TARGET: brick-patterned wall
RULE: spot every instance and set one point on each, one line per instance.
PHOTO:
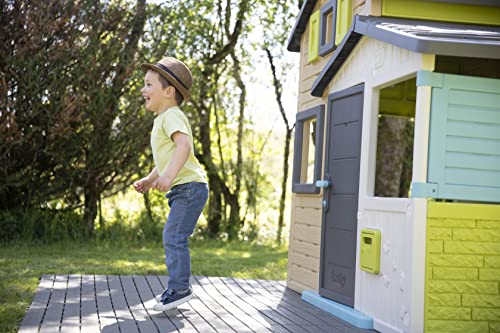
(462, 288)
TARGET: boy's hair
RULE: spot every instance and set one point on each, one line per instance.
(164, 84)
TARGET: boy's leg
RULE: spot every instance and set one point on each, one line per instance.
(186, 203)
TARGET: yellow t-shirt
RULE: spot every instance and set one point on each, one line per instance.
(165, 124)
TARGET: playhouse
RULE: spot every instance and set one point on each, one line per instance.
(395, 220)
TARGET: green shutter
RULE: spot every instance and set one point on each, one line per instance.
(464, 138)
(313, 37)
(344, 19)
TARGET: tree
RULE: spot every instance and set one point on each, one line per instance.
(279, 15)
(209, 47)
(72, 127)
(286, 152)
(70, 131)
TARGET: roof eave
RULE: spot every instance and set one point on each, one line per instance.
(367, 26)
(293, 44)
(338, 58)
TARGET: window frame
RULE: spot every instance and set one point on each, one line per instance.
(318, 113)
(329, 7)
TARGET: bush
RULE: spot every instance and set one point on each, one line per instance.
(11, 227)
(40, 224)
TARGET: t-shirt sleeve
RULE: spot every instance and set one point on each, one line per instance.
(173, 122)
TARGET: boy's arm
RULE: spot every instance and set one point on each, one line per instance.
(179, 158)
(153, 175)
(143, 185)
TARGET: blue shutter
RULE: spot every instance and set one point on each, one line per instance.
(464, 142)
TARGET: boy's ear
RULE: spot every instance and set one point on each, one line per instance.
(169, 92)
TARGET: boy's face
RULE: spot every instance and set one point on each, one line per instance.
(153, 92)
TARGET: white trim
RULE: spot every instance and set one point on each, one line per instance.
(421, 138)
(380, 326)
(386, 204)
(418, 265)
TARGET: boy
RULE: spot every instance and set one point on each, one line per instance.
(166, 85)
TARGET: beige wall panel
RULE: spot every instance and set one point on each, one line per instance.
(291, 247)
(309, 216)
(367, 7)
(306, 85)
(297, 286)
(304, 238)
(305, 261)
(309, 249)
(308, 201)
(307, 233)
(305, 277)
(313, 69)
(308, 105)
(307, 101)
(358, 6)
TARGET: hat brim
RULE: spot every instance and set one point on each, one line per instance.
(173, 81)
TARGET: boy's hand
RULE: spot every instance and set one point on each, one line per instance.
(142, 185)
(162, 184)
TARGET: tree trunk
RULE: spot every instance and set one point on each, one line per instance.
(91, 196)
(241, 120)
(218, 187)
(234, 223)
(214, 208)
(407, 172)
(278, 91)
(147, 204)
(391, 147)
(284, 186)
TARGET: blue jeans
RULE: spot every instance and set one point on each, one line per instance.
(186, 203)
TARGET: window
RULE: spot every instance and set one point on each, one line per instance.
(394, 164)
(308, 150)
(313, 36)
(327, 28)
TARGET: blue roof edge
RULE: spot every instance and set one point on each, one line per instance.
(339, 56)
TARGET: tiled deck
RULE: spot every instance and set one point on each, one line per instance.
(111, 303)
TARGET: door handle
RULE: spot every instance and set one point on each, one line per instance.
(324, 183)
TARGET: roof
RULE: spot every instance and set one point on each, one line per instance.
(418, 36)
(300, 26)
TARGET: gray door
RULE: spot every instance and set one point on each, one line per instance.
(338, 230)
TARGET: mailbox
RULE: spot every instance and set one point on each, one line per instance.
(370, 251)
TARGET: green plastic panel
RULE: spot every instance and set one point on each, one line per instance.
(399, 99)
(441, 11)
(344, 19)
(462, 261)
(312, 54)
(464, 142)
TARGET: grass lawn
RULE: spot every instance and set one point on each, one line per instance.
(21, 265)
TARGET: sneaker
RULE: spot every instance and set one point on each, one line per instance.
(159, 298)
(172, 298)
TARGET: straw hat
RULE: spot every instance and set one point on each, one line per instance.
(176, 72)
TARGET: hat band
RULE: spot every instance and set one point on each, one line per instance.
(171, 73)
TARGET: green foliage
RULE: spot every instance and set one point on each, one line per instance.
(22, 264)
(37, 224)
(72, 129)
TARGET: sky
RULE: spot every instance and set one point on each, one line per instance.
(261, 98)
